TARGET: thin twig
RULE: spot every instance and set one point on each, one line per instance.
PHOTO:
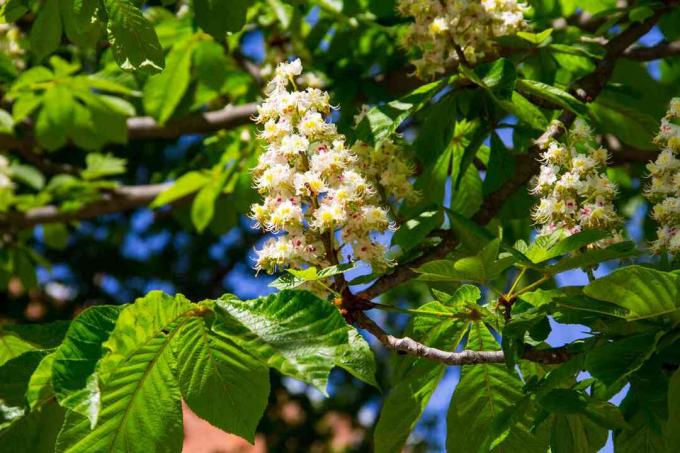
(467, 357)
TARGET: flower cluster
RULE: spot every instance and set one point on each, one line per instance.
(664, 187)
(10, 44)
(443, 28)
(5, 179)
(314, 186)
(575, 192)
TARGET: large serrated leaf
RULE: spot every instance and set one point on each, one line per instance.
(296, 333)
(644, 292)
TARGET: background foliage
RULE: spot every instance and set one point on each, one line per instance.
(127, 129)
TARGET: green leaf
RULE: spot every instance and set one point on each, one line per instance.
(25, 105)
(211, 368)
(185, 185)
(499, 77)
(55, 235)
(75, 384)
(15, 339)
(294, 278)
(572, 433)
(55, 118)
(535, 38)
(12, 10)
(102, 165)
(467, 198)
(483, 393)
(210, 64)
(415, 379)
(294, 332)
(203, 207)
(40, 389)
(216, 20)
(480, 268)
(644, 292)
(501, 166)
(525, 111)
(27, 175)
(133, 40)
(672, 430)
(46, 30)
(545, 248)
(163, 92)
(6, 122)
(552, 94)
(413, 231)
(140, 395)
(36, 432)
(15, 375)
(617, 359)
(630, 125)
(83, 21)
(593, 257)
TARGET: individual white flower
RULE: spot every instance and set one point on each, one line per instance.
(575, 192)
(663, 189)
(314, 186)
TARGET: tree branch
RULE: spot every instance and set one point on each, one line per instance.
(467, 357)
(661, 50)
(586, 90)
(115, 200)
(145, 127)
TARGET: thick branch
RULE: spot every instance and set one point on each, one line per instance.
(119, 199)
(662, 50)
(145, 127)
(467, 357)
(586, 89)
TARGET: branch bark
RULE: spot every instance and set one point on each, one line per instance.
(119, 199)
(145, 127)
(467, 357)
(661, 50)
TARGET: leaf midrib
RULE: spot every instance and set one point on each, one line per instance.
(148, 369)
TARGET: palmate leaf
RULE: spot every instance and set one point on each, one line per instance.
(296, 333)
(415, 379)
(483, 393)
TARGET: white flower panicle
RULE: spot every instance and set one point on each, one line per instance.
(575, 192)
(441, 25)
(663, 189)
(314, 186)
